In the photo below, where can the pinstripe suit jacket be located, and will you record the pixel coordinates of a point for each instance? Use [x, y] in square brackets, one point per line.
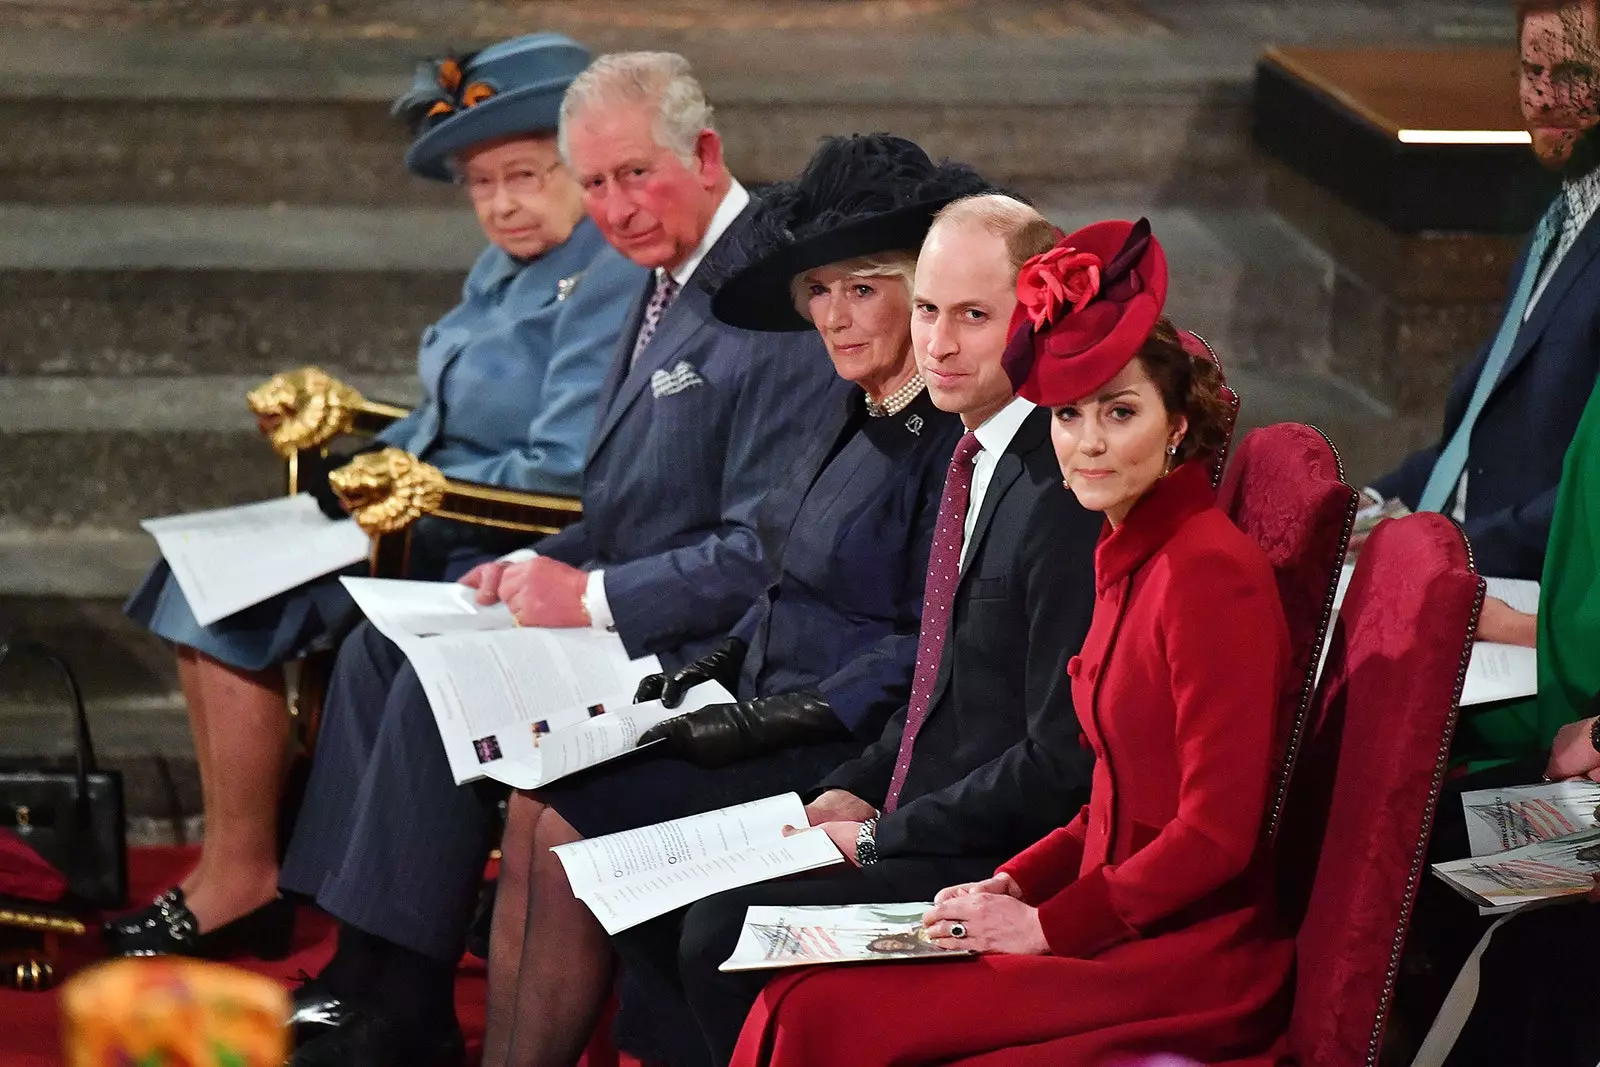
[674, 481]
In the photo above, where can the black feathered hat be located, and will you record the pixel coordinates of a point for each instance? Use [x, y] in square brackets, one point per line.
[858, 196]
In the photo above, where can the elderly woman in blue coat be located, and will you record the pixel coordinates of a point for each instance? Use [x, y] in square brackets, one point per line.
[510, 376]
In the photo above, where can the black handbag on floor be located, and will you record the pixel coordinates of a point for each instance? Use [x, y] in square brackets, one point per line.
[72, 816]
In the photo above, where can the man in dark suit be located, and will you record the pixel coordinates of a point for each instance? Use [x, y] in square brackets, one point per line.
[697, 421]
[1512, 412]
[985, 758]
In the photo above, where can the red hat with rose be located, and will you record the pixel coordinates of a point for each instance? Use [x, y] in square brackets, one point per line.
[1084, 309]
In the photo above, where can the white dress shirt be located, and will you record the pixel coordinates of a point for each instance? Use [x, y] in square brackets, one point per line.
[994, 437]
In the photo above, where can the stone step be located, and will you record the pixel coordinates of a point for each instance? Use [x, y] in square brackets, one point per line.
[168, 291]
[103, 453]
[1150, 95]
[142, 448]
[232, 117]
[138, 290]
[130, 405]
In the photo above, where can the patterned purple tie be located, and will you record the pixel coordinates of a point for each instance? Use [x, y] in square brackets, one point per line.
[938, 596]
[666, 289]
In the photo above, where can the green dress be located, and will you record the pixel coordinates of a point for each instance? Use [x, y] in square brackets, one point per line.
[1568, 623]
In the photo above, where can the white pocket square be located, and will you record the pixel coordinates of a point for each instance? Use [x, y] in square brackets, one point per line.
[667, 382]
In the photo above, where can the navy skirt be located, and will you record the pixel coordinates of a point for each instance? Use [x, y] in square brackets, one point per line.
[316, 615]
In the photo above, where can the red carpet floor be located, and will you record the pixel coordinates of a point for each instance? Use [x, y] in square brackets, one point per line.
[28, 1021]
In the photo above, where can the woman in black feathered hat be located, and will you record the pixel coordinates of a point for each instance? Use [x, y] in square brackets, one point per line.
[817, 666]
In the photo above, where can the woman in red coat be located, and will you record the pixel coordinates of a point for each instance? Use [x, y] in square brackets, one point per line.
[1145, 926]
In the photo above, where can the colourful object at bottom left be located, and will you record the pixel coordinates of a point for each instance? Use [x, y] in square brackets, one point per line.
[173, 1012]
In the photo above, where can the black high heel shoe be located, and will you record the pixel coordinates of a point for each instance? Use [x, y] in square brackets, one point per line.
[169, 928]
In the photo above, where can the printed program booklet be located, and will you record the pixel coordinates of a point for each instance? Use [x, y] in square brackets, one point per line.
[630, 877]
[803, 935]
[234, 558]
[521, 705]
[1553, 839]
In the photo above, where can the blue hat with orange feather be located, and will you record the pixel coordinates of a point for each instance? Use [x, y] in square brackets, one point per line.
[514, 87]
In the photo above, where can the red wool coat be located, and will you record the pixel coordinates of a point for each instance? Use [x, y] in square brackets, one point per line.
[1156, 900]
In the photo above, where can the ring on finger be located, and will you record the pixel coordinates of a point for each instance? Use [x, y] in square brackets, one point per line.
[958, 929]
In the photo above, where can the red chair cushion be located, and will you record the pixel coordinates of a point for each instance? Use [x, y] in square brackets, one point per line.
[1286, 490]
[1360, 808]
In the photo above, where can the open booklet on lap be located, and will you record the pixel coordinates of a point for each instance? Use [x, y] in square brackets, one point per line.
[524, 706]
[630, 877]
[804, 935]
[230, 559]
[1529, 843]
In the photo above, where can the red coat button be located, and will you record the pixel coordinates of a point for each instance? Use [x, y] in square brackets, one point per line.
[1083, 740]
[1074, 665]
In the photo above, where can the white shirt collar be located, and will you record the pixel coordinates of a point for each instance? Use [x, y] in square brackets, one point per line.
[733, 202]
[995, 435]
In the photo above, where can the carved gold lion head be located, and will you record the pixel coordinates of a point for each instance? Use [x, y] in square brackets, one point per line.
[310, 407]
[389, 490]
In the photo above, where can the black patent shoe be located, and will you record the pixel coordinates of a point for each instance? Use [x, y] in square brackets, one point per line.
[131, 923]
[315, 1011]
[368, 1039]
[169, 928]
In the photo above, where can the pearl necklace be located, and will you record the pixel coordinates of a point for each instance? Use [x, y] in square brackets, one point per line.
[896, 401]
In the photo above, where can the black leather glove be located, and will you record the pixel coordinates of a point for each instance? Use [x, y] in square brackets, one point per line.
[721, 665]
[720, 734]
[314, 470]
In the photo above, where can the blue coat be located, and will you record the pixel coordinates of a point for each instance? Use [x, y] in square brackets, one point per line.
[1521, 437]
[510, 379]
[688, 442]
[518, 364]
[845, 615]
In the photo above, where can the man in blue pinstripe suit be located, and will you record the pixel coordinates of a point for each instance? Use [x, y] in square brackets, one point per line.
[697, 421]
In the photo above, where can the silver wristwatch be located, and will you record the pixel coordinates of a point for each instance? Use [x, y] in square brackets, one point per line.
[867, 843]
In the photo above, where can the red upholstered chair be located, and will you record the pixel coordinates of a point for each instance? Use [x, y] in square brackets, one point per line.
[1286, 489]
[1360, 808]
[1200, 348]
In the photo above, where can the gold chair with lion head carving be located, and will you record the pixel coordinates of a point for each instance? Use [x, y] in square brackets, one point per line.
[386, 491]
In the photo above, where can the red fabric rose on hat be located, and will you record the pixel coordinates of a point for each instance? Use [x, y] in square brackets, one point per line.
[1083, 310]
[1059, 277]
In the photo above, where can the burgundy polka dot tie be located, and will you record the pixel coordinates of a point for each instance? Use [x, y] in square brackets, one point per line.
[944, 573]
[665, 290]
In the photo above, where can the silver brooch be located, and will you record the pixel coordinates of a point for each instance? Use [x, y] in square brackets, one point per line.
[914, 424]
[566, 285]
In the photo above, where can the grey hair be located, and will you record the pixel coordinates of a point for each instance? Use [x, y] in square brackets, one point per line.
[896, 264]
[662, 79]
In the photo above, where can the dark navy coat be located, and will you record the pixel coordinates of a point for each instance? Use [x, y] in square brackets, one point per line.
[844, 616]
[1521, 437]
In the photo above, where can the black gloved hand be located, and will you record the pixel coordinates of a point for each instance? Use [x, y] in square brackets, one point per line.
[720, 665]
[720, 734]
[314, 470]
